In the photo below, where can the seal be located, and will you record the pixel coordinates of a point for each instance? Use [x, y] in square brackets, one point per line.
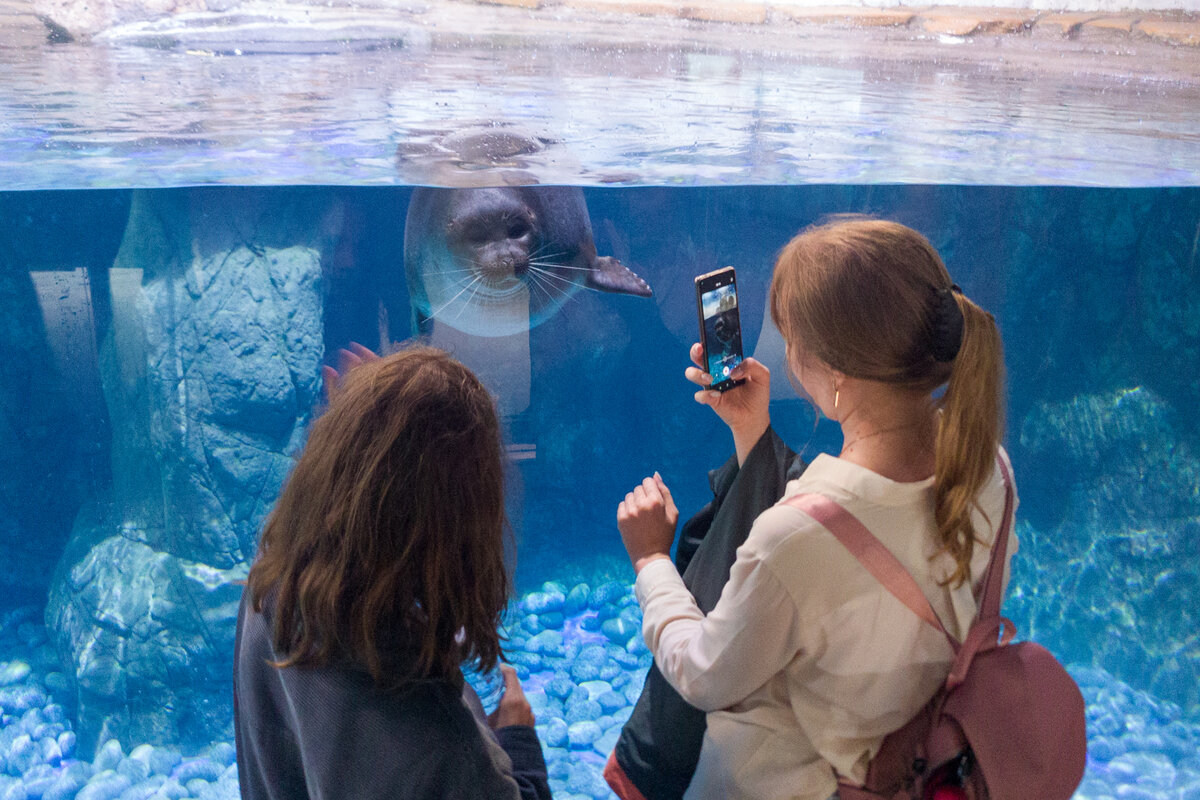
[496, 261]
[496, 154]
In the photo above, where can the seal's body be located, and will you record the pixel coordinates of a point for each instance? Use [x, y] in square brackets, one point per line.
[495, 261]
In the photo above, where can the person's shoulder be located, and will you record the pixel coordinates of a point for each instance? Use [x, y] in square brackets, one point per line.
[785, 531]
[253, 635]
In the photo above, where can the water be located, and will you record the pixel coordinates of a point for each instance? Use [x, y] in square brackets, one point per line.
[160, 345]
[864, 108]
[133, 482]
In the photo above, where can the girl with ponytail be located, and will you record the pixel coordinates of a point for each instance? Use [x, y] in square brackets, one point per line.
[807, 662]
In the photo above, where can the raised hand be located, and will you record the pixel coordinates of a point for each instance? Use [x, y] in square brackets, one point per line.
[646, 519]
[514, 708]
[347, 360]
[745, 409]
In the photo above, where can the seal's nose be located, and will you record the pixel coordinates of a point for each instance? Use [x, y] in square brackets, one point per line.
[513, 260]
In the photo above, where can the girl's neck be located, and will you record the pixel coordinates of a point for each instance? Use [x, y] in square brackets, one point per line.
[899, 446]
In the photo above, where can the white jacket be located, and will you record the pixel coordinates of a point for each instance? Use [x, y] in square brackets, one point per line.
[807, 662]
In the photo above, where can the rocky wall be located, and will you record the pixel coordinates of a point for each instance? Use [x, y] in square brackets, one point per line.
[211, 371]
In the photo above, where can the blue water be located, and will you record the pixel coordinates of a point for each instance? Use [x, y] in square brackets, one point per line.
[723, 108]
[159, 352]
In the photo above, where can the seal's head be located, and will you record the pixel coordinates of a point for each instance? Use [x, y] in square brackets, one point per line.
[494, 233]
[495, 261]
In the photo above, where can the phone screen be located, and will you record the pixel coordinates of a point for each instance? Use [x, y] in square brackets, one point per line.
[720, 326]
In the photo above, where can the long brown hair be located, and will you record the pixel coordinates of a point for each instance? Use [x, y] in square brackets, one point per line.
[862, 296]
[389, 537]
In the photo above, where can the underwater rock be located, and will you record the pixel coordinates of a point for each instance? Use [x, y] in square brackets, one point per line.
[611, 702]
[619, 630]
[543, 602]
[1124, 447]
[212, 368]
[580, 735]
[551, 620]
[223, 754]
[151, 650]
[546, 643]
[201, 768]
[109, 756]
[211, 372]
[579, 708]
[606, 595]
[13, 672]
[576, 600]
[106, 785]
[1092, 587]
[595, 688]
[605, 744]
[560, 686]
[556, 733]
[587, 665]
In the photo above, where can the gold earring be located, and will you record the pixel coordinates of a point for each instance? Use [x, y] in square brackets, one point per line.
[837, 393]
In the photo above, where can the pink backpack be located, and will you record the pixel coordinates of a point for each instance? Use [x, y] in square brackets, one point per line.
[1009, 722]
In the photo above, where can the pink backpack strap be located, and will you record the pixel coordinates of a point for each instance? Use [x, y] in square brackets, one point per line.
[993, 579]
[888, 570]
[871, 553]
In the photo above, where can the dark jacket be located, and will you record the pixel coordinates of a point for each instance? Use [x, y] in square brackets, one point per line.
[660, 743]
[328, 733]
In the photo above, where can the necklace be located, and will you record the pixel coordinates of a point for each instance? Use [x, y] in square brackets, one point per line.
[846, 447]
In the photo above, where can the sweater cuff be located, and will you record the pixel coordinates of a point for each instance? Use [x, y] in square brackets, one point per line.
[523, 747]
[654, 574]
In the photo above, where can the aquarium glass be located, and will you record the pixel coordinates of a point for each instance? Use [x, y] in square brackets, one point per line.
[175, 270]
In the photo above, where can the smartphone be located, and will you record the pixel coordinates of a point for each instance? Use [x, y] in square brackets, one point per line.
[720, 326]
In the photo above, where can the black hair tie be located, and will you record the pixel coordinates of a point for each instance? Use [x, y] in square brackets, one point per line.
[947, 325]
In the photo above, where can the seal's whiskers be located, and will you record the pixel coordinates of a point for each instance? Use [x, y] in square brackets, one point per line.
[549, 274]
[451, 272]
[539, 252]
[555, 297]
[558, 266]
[443, 306]
[537, 283]
[467, 302]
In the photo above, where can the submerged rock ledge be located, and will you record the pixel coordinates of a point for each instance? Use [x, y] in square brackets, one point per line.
[292, 26]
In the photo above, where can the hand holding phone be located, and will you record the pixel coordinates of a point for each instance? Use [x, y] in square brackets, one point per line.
[746, 411]
[720, 326]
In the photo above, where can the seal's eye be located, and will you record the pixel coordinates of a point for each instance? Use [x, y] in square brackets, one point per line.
[517, 228]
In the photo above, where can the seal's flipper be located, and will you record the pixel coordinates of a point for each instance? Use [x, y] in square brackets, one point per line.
[609, 275]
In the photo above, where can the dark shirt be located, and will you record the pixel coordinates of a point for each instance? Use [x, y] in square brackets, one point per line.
[329, 733]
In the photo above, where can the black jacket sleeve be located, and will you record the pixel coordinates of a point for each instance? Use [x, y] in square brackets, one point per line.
[660, 743]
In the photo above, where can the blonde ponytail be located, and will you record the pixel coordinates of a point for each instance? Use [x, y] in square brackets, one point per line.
[972, 422]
